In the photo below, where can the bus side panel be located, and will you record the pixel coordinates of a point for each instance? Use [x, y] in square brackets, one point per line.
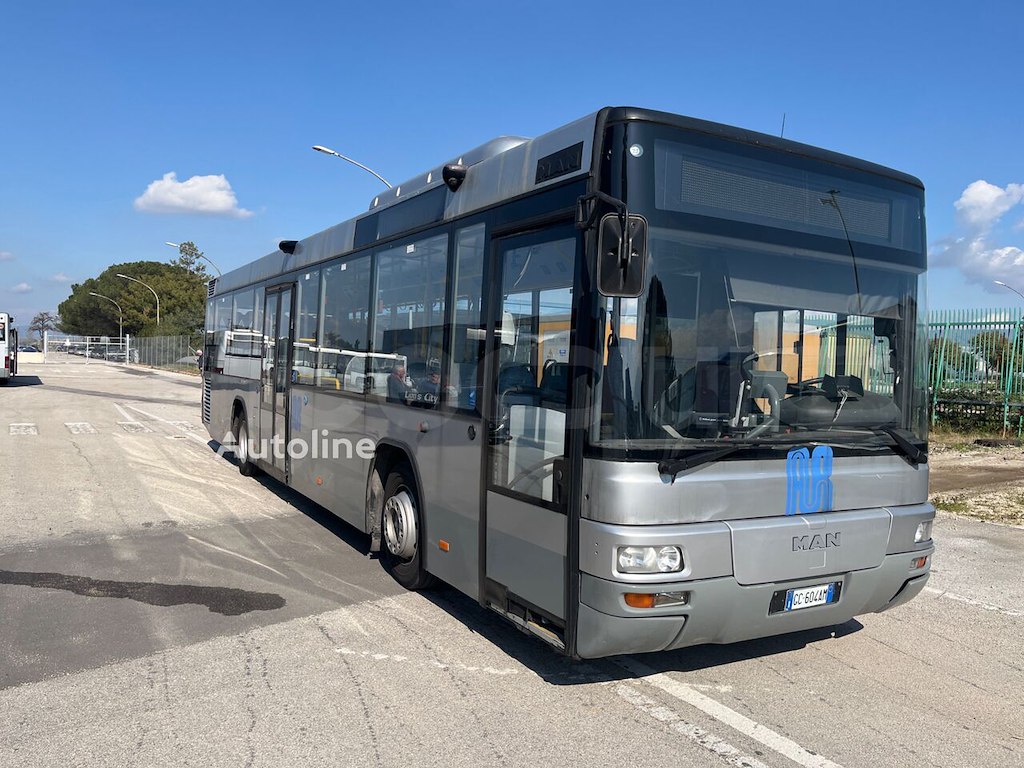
[448, 464]
[222, 397]
[224, 390]
[331, 472]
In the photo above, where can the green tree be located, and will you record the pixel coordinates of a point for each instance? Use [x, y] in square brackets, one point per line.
[191, 258]
[182, 295]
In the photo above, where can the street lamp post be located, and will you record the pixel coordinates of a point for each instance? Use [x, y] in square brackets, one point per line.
[120, 314]
[196, 254]
[1008, 287]
[136, 280]
[328, 151]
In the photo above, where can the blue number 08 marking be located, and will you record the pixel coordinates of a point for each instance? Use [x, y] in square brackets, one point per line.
[808, 480]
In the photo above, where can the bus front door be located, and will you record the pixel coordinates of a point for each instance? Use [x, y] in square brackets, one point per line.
[526, 521]
[274, 379]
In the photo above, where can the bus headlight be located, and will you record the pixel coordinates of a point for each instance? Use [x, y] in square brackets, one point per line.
[650, 560]
[923, 532]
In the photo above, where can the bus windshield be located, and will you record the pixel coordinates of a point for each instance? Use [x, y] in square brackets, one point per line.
[758, 323]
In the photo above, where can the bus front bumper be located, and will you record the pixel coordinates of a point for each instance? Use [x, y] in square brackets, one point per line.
[721, 610]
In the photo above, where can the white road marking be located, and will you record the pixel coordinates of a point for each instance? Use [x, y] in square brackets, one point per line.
[195, 437]
[80, 428]
[754, 730]
[944, 595]
[184, 425]
[133, 426]
[699, 736]
[124, 414]
[24, 429]
[425, 662]
[235, 554]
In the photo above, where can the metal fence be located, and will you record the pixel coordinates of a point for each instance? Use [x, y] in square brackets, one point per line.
[976, 369]
[173, 353]
[59, 348]
[975, 364]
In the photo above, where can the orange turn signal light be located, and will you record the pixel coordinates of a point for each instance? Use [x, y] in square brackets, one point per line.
[444, 546]
[639, 600]
[918, 563]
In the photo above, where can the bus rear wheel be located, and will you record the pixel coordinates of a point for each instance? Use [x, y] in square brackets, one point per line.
[241, 431]
[402, 530]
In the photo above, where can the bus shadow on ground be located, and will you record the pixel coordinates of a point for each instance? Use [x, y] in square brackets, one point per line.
[557, 669]
[23, 381]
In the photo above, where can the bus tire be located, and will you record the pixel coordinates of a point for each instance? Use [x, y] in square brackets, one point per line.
[246, 468]
[402, 530]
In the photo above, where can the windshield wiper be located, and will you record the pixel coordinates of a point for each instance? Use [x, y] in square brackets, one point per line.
[673, 467]
[902, 446]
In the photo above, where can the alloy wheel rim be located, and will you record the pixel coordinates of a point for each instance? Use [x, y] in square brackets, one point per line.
[400, 525]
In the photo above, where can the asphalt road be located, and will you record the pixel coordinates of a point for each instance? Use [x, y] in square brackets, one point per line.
[158, 609]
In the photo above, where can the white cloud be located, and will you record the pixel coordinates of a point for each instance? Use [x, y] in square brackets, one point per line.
[22, 288]
[977, 251]
[982, 204]
[211, 195]
[6, 256]
[60, 277]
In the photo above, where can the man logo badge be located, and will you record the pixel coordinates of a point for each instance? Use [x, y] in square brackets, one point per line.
[817, 541]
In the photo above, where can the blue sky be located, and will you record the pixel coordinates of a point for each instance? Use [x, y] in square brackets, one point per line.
[102, 100]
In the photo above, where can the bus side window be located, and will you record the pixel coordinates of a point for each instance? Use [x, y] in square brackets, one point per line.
[409, 327]
[533, 373]
[344, 365]
[469, 329]
[305, 346]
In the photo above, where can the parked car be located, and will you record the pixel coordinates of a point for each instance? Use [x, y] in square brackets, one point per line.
[28, 348]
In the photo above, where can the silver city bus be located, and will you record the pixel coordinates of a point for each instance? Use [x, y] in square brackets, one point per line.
[640, 383]
[8, 348]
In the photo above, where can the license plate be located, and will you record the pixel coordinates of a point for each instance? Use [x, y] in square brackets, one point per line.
[807, 597]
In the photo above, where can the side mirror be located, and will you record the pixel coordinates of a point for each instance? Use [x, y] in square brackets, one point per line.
[622, 257]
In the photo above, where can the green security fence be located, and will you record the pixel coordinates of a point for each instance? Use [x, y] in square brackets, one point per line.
[976, 369]
[975, 364]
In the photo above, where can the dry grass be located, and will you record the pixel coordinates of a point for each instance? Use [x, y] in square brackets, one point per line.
[1001, 502]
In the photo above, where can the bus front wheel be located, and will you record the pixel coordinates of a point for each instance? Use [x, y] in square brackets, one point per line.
[402, 530]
